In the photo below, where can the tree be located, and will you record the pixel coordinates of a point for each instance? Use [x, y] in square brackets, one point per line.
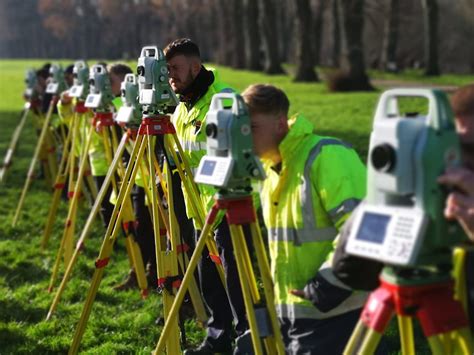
[389, 48]
[270, 37]
[317, 30]
[237, 35]
[430, 14]
[252, 40]
[336, 33]
[351, 17]
[304, 48]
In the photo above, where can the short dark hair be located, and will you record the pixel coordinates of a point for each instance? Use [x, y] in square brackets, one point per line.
[69, 69]
[119, 69]
[266, 99]
[462, 101]
[182, 46]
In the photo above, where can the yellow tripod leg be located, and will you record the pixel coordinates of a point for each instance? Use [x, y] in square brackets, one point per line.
[356, 338]
[182, 255]
[107, 245]
[268, 287]
[166, 260]
[405, 326]
[11, 148]
[236, 235]
[51, 156]
[190, 186]
[437, 344]
[70, 224]
[370, 342]
[58, 188]
[133, 250]
[66, 244]
[173, 313]
[463, 340]
[88, 225]
[31, 169]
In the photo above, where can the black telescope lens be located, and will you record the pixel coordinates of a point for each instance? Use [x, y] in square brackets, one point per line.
[74, 75]
[211, 130]
[141, 70]
[91, 82]
[383, 158]
[123, 92]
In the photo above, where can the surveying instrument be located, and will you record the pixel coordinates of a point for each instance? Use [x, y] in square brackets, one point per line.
[155, 98]
[402, 225]
[129, 115]
[32, 103]
[230, 164]
[56, 83]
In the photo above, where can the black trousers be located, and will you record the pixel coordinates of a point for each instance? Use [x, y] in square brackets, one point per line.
[143, 230]
[223, 307]
[106, 208]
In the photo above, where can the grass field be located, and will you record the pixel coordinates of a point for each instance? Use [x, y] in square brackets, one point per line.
[122, 322]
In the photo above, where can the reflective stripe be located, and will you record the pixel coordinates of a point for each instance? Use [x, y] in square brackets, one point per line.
[345, 207]
[189, 146]
[301, 235]
[327, 272]
[299, 311]
[309, 222]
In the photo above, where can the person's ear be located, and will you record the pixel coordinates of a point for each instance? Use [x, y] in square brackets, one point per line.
[282, 124]
[195, 66]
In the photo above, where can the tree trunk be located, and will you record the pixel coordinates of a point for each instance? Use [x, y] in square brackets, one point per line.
[237, 36]
[318, 29]
[304, 49]
[253, 50]
[336, 33]
[270, 37]
[390, 41]
[351, 17]
[430, 12]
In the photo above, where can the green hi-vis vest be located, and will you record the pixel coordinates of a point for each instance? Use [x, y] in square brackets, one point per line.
[304, 205]
[97, 159]
[191, 132]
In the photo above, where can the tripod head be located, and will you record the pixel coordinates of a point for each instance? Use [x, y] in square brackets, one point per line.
[130, 113]
[402, 222]
[155, 93]
[31, 91]
[80, 87]
[56, 82]
[230, 162]
[100, 90]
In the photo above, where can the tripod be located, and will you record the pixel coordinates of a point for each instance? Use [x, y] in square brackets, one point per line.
[39, 146]
[262, 318]
[426, 297]
[153, 127]
[131, 245]
[7, 161]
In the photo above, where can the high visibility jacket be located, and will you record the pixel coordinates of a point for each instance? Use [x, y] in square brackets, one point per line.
[304, 204]
[96, 152]
[191, 131]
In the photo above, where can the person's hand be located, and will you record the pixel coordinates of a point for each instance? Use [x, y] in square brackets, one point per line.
[65, 98]
[460, 203]
[299, 293]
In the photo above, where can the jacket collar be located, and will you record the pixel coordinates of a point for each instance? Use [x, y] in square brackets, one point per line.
[198, 88]
[300, 128]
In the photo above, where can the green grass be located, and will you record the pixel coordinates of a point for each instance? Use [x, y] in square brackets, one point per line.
[121, 322]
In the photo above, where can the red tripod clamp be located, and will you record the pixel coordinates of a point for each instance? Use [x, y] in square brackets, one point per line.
[104, 118]
[156, 125]
[433, 304]
[238, 210]
[80, 108]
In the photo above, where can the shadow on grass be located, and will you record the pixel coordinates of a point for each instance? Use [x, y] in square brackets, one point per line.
[14, 311]
[23, 272]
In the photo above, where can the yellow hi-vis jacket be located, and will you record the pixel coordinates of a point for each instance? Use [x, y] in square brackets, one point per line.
[304, 204]
[97, 160]
[190, 128]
